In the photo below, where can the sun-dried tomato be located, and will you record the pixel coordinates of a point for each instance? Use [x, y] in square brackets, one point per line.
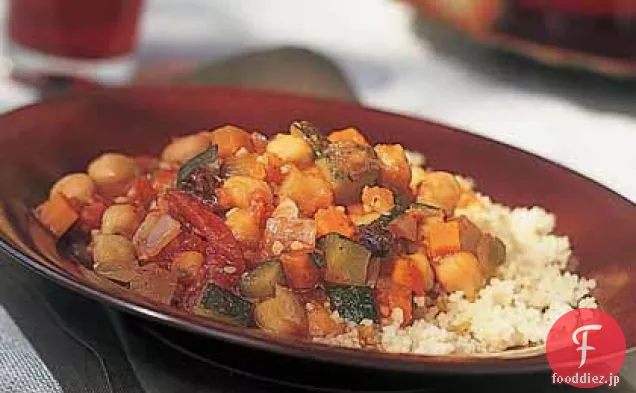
[223, 253]
[186, 241]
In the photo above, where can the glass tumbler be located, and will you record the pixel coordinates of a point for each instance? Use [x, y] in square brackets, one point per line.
[90, 39]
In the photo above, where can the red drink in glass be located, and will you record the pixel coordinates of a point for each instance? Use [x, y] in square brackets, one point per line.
[73, 34]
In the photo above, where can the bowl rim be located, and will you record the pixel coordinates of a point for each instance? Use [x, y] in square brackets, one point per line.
[410, 363]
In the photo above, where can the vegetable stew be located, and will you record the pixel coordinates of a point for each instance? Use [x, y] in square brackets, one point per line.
[301, 234]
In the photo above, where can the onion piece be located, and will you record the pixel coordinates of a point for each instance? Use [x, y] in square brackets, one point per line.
[154, 233]
[284, 234]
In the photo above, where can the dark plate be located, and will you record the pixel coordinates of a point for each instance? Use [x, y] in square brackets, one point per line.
[556, 33]
[38, 144]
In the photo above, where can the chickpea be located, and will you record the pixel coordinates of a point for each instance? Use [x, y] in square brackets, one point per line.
[229, 139]
[418, 174]
[112, 172]
[120, 220]
[181, 150]
[460, 272]
[114, 257]
[75, 185]
[309, 192]
[440, 189]
[291, 148]
[243, 226]
[377, 199]
[188, 263]
[112, 248]
[286, 208]
[395, 170]
[241, 191]
[365, 219]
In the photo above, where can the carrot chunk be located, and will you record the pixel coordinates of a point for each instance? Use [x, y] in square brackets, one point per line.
[331, 220]
[348, 134]
[444, 238]
[413, 272]
[57, 214]
[300, 271]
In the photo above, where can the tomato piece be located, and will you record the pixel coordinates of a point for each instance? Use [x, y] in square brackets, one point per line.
[417, 281]
[141, 192]
[164, 179]
[260, 208]
[390, 296]
[91, 215]
[273, 170]
[147, 164]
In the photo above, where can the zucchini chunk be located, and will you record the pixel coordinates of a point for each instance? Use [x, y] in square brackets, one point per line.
[348, 167]
[260, 283]
[346, 261]
[222, 305]
[353, 303]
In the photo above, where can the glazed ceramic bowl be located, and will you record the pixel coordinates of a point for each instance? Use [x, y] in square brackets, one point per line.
[40, 143]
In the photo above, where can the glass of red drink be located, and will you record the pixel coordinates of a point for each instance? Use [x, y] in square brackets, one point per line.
[93, 39]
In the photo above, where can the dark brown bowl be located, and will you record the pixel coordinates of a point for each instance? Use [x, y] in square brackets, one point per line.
[40, 143]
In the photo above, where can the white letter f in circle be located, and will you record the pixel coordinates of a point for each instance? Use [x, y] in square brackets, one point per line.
[584, 347]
